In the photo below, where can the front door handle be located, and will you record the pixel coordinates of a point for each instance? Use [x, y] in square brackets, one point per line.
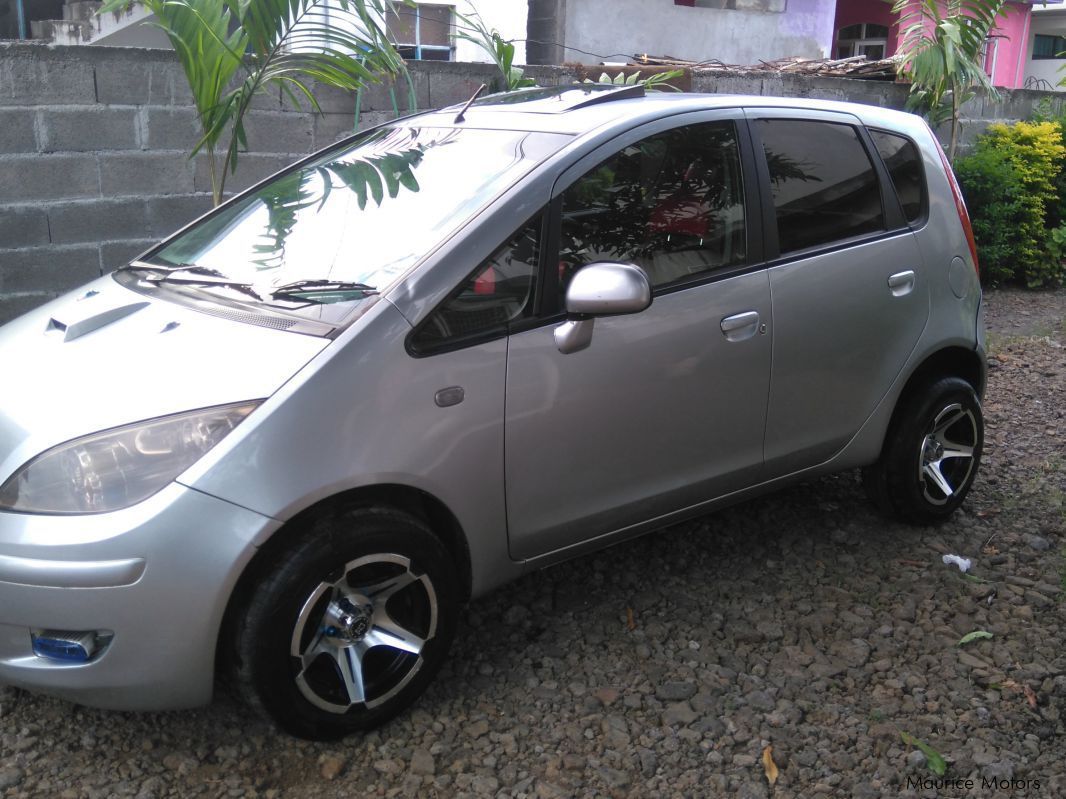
[741, 326]
[901, 283]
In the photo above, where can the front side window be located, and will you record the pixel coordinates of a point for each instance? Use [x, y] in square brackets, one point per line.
[905, 168]
[319, 238]
[672, 203]
[499, 293]
[822, 183]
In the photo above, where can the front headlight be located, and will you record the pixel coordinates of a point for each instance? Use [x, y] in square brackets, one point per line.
[120, 467]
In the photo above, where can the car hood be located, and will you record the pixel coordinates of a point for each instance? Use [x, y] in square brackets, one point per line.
[105, 356]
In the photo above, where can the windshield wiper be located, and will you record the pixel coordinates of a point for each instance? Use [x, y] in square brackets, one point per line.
[304, 288]
[171, 274]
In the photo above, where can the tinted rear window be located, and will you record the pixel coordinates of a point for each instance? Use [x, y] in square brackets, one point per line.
[905, 166]
[823, 185]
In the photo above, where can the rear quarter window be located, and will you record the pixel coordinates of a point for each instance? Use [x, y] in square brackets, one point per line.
[823, 185]
[904, 165]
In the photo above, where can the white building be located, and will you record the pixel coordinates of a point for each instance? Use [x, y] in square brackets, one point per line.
[1046, 48]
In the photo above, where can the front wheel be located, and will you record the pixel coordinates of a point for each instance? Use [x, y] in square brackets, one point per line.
[932, 454]
[350, 626]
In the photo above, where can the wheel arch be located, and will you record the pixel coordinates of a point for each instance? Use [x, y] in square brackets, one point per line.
[422, 504]
[952, 361]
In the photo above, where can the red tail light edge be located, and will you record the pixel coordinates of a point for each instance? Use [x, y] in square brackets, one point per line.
[960, 204]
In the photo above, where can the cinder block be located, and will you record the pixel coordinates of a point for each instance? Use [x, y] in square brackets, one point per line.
[114, 254]
[169, 214]
[551, 76]
[23, 227]
[89, 128]
[375, 97]
[141, 77]
[451, 83]
[139, 174]
[275, 132]
[172, 128]
[13, 306]
[48, 177]
[329, 128]
[251, 168]
[35, 75]
[17, 131]
[47, 269]
[98, 220]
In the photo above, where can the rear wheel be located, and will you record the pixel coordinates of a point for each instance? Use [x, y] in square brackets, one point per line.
[931, 455]
[350, 626]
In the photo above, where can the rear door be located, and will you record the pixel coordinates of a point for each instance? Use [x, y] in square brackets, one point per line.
[850, 298]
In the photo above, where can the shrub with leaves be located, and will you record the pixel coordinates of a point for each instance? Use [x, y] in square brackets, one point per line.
[1010, 184]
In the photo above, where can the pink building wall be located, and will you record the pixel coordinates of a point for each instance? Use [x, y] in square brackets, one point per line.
[879, 12]
[1006, 58]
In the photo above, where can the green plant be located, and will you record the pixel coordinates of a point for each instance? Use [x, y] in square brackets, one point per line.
[656, 82]
[232, 50]
[499, 50]
[943, 42]
[1000, 215]
[933, 758]
[1010, 182]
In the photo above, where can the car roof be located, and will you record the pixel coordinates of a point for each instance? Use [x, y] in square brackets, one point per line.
[576, 109]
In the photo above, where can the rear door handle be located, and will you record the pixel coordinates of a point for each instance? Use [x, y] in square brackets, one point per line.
[901, 283]
[741, 326]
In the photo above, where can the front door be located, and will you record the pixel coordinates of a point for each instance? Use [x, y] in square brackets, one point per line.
[666, 407]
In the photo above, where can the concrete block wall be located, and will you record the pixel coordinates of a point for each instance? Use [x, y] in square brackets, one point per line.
[94, 144]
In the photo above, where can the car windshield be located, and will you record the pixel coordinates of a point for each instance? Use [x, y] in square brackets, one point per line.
[347, 225]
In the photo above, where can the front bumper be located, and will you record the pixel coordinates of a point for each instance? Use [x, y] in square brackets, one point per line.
[157, 575]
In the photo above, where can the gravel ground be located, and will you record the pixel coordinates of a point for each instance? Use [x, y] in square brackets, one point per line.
[666, 666]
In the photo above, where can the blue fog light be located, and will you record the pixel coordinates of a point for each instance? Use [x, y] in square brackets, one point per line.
[70, 647]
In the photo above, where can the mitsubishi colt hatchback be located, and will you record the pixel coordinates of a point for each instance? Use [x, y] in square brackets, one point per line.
[293, 439]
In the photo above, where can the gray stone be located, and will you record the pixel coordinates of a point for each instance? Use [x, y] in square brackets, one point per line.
[679, 713]
[10, 777]
[760, 700]
[251, 168]
[422, 762]
[1039, 543]
[675, 690]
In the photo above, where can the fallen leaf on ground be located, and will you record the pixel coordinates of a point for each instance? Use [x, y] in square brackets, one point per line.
[768, 765]
[974, 636]
[1030, 695]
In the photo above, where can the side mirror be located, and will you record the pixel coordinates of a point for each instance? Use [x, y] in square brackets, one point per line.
[600, 289]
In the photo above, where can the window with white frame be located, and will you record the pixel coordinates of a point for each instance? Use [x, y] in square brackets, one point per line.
[863, 38]
[422, 32]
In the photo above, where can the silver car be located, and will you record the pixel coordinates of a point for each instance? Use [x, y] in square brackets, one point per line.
[294, 438]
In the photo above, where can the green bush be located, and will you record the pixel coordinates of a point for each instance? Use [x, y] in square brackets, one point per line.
[1011, 187]
[995, 199]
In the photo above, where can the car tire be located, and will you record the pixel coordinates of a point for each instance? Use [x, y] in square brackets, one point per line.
[931, 454]
[350, 625]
